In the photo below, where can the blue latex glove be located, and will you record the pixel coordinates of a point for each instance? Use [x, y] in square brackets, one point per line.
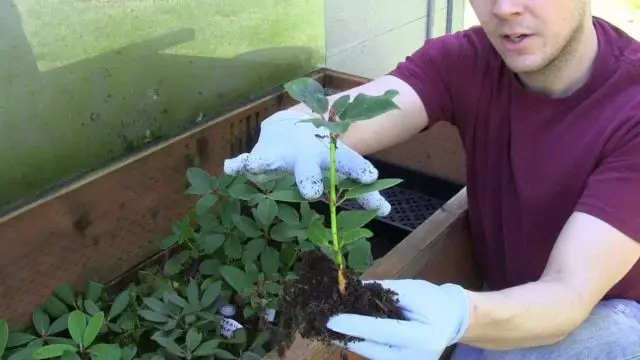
[438, 316]
[287, 145]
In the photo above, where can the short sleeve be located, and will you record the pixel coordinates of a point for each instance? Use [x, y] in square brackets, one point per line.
[612, 192]
[441, 67]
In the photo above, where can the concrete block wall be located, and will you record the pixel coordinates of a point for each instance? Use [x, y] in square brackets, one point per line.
[368, 38]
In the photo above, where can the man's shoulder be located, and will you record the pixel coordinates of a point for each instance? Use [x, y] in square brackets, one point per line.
[623, 49]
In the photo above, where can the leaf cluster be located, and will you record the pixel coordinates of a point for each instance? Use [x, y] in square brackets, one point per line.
[238, 246]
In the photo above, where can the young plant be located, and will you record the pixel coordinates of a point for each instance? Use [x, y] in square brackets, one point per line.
[337, 119]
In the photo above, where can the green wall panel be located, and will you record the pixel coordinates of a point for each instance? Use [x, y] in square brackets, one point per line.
[86, 81]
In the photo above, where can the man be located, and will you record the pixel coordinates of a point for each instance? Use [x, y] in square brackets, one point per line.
[547, 102]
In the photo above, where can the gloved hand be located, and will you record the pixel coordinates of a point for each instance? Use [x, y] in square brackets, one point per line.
[285, 144]
[437, 317]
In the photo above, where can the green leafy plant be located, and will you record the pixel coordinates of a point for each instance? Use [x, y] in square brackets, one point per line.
[84, 333]
[337, 118]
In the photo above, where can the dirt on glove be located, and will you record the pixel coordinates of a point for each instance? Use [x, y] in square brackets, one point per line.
[309, 301]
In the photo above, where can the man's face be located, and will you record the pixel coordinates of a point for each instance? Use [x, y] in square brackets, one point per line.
[531, 34]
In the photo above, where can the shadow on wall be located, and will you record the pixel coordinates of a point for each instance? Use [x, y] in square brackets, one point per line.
[57, 123]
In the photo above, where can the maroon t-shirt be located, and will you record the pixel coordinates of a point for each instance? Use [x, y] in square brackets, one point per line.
[533, 160]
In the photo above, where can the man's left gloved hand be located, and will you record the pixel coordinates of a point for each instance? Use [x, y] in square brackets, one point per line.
[437, 316]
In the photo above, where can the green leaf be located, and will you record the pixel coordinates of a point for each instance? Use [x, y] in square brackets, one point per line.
[176, 299]
[284, 232]
[41, 321]
[233, 247]
[252, 271]
[55, 307]
[170, 345]
[363, 189]
[270, 261]
[207, 348]
[27, 353]
[307, 215]
[51, 351]
[273, 288]
[248, 311]
[261, 339]
[129, 351]
[340, 104]
[284, 182]
[334, 127]
[211, 242]
[247, 226]
[353, 235]
[266, 211]
[170, 241]
[105, 352]
[93, 291]
[65, 293]
[209, 267]
[354, 219]
[156, 305]
[119, 304]
[153, 316]
[14, 339]
[347, 184]
[77, 324]
[193, 293]
[225, 180]
[90, 307]
[243, 191]
[287, 195]
[250, 356]
[93, 328]
[253, 249]
[309, 92]
[308, 245]
[174, 265]
[360, 258]
[68, 355]
[224, 354]
[193, 339]
[236, 278]
[318, 234]
[211, 293]
[60, 324]
[4, 336]
[200, 180]
[205, 203]
[288, 252]
[366, 106]
[288, 214]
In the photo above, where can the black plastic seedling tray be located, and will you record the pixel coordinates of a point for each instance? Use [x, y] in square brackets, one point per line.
[412, 201]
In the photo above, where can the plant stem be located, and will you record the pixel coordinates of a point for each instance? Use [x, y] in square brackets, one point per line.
[342, 283]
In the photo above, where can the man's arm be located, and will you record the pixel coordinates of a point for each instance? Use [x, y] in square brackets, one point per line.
[388, 129]
[588, 259]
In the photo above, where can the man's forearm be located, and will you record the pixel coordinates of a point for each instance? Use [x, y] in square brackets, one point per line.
[533, 314]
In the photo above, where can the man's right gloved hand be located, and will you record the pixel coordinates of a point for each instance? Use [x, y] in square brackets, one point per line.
[287, 145]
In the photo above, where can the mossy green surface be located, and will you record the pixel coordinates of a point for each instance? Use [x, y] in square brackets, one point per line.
[89, 80]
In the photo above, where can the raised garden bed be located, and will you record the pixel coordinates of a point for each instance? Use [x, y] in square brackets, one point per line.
[112, 220]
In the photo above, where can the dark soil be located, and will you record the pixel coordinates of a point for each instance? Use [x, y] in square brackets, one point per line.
[309, 301]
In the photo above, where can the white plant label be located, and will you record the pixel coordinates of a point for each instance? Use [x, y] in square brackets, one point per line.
[270, 314]
[229, 326]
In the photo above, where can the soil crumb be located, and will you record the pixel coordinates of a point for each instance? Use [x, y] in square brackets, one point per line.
[311, 300]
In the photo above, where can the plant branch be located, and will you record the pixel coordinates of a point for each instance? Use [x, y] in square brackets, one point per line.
[332, 207]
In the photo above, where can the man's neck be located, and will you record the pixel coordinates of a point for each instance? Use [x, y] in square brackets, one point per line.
[570, 70]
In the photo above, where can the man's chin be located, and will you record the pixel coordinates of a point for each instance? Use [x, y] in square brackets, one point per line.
[522, 64]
